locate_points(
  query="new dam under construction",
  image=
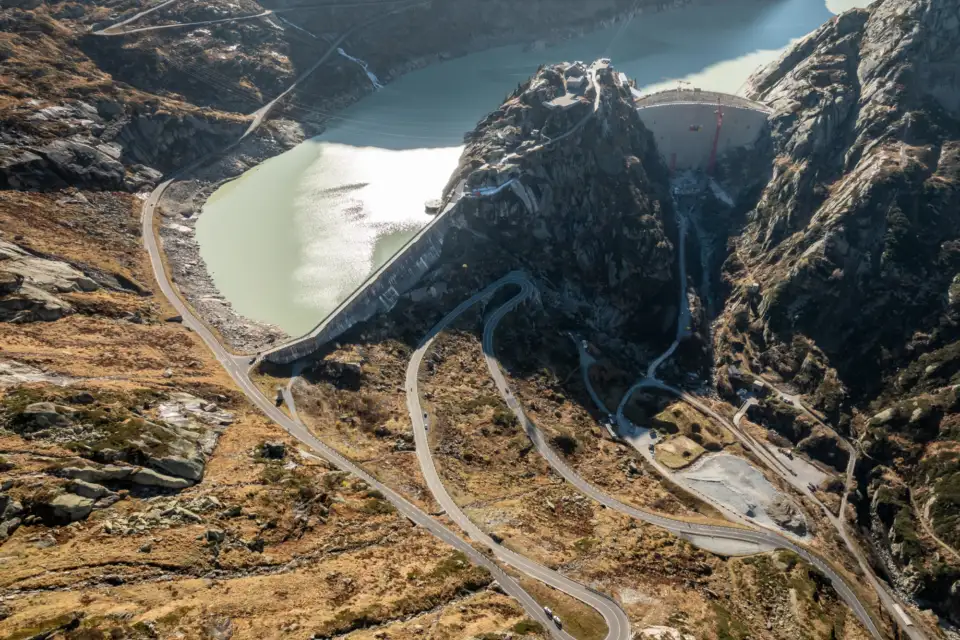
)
(691, 128)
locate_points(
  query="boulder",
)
(215, 535)
(9, 282)
(43, 415)
(9, 508)
(87, 489)
(107, 473)
(150, 478)
(108, 500)
(786, 514)
(84, 397)
(273, 450)
(7, 527)
(191, 469)
(71, 507)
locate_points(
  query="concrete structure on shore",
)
(381, 290)
(685, 122)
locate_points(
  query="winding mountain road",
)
(889, 602)
(238, 369)
(618, 624)
(764, 539)
(886, 600)
(614, 616)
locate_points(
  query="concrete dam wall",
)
(379, 292)
(684, 124)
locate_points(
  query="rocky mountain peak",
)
(566, 179)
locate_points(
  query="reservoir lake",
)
(292, 237)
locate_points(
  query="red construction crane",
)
(716, 140)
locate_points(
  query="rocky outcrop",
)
(29, 285)
(852, 239)
(70, 507)
(167, 141)
(786, 514)
(585, 200)
(843, 282)
(60, 164)
(162, 448)
(85, 155)
(11, 513)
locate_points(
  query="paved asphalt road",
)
(237, 368)
(461, 191)
(112, 31)
(762, 538)
(889, 602)
(261, 114)
(116, 29)
(617, 622)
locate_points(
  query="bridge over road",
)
(692, 127)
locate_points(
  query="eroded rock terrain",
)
(609, 243)
(841, 282)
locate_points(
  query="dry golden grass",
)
(678, 452)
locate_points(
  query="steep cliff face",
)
(584, 200)
(845, 278)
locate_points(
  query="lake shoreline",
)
(658, 60)
(182, 204)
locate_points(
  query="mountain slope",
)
(845, 281)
